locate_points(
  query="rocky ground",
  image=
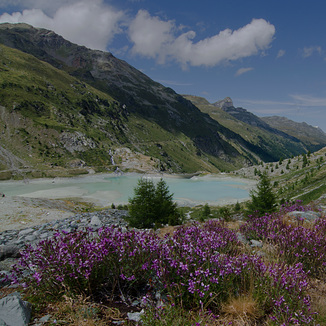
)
(51, 217)
(18, 213)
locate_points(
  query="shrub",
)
(237, 207)
(225, 213)
(199, 267)
(296, 244)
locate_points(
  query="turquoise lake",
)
(105, 189)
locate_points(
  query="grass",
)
(243, 310)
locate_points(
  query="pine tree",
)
(152, 206)
(263, 200)
(166, 209)
(141, 213)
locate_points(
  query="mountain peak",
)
(224, 104)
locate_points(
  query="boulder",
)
(14, 311)
(95, 221)
(135, 316)
(9, 251)
(299, 216)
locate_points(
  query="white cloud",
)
(155, 38)
(309, 51)
(89, 23)
(94, 24)
(243, 71)
(280, 54)
(150, 35)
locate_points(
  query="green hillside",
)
(301, 177)
(53, 123)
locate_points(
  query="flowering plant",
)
(200, 266)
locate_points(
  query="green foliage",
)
(225, 213)
(202, 213)
(152, 205)
(313, 194)
(206, 211)
(263, 200)
(237, 207)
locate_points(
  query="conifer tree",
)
(152, 206)
(141, 212)
(263, 200)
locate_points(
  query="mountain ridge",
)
(92, 105)
(258, 130)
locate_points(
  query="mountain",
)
(308, 134)
(273, 142)
(94, 110)
(242, 114)
(67, 109)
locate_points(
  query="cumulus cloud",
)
(150, 35)
(155, 38)
(242, 71)
(89, 23)
(94, 24)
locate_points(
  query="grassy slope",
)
(39, 103)
(293, 179)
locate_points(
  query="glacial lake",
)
(105, 189)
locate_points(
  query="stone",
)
(255, 243)
(4, 278)
(45, 319)
(14, 311)
(241, 238)
(308, 216)
(12, 241)
(95, 221)
(9, 251)
(30, 238)
(25, 232)
(135, 316)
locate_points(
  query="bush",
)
(225, 213)
(296, 244)
(237, 207)
(199, 267)
(152, 206)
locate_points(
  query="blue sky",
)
(269, 56)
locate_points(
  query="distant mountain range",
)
(68, 109)
(278, 137)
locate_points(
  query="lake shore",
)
(19, 211)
